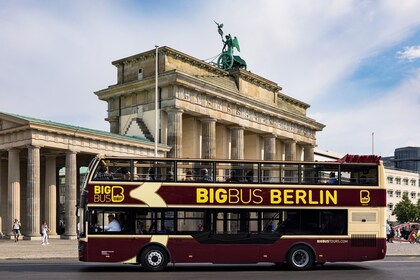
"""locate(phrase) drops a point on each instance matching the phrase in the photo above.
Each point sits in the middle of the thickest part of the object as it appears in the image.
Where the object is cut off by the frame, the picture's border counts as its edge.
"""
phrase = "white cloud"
(410, 53)
(393, 119)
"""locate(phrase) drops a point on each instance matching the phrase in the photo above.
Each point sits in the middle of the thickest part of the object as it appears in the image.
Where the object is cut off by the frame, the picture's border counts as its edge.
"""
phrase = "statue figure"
(230, 44)
(227, 60)
(219, 29)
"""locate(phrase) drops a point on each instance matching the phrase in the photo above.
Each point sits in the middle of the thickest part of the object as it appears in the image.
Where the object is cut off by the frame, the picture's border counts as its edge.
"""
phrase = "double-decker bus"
(155, 211)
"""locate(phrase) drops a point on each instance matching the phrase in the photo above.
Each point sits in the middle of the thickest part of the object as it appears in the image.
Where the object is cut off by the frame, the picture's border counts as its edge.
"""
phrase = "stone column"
(13, 189)
(175, 132)
(50, 206)
(290, 155)
(2, 204)
(308, 153)
(269, 147)
(33, 197)
(237, 142)
(290, 150)
(208, 138)
(71, 193)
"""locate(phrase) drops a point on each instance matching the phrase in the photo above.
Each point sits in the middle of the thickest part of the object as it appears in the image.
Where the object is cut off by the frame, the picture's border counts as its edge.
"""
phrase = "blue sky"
(357, 63)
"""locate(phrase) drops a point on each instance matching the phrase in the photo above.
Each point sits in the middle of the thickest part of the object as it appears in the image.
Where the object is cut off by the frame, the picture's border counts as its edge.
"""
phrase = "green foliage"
(406, 211)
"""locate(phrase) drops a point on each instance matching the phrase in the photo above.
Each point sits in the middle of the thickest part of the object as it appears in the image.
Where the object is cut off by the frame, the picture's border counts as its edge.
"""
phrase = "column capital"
(289, 141)
(269, 135)
(236, 127)
(308, 145)
(208, 119)
(174, 110)
(33, 146)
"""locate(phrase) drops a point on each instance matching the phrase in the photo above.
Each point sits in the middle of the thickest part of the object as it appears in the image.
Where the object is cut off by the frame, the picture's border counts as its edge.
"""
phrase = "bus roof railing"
(372, 159)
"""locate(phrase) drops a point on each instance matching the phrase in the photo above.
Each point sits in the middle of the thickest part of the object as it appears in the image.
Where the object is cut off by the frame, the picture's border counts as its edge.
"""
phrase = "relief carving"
(246, 113)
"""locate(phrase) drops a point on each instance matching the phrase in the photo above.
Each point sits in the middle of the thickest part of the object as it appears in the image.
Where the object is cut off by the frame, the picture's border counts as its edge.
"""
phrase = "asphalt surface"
(67, 249)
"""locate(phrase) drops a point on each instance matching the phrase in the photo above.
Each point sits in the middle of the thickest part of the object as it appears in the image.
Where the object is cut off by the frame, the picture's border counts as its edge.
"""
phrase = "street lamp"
(156, 99)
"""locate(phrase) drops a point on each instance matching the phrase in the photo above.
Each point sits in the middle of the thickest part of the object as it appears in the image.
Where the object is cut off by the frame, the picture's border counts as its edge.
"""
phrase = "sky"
(356, 63)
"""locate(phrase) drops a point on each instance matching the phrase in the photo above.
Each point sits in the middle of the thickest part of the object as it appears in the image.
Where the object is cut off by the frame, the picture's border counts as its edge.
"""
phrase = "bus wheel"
(154, 258)
(300, 258)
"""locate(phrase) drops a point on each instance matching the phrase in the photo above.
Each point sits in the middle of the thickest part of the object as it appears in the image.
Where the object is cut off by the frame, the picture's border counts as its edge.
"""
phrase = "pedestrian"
(16, 229)
(44, 232)
(388, 232)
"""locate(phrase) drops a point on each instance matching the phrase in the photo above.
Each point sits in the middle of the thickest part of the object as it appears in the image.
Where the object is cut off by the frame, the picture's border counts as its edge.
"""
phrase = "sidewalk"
(403, 249)
(61, 249)
(31, 249)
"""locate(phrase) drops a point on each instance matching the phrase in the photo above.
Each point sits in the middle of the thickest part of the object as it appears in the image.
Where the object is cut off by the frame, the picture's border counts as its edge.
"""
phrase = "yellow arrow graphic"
(147, 193)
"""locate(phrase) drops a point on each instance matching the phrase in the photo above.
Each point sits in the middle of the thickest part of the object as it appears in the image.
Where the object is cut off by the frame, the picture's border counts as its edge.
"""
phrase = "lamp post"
(156, 100)
(373, 143)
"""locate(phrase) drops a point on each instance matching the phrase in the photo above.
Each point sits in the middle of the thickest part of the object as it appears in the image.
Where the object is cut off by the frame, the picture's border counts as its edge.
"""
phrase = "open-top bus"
(232, 211)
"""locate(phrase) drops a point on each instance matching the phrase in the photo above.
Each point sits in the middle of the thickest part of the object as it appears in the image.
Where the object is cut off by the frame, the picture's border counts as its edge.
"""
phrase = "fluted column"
(50, 206)
(290, 150)
(71, 192)
(308, 153)
(308, 156)
(237, 142)
(208, 138)
(13, 188)
(33, 191)
(175, 132)
(269, 147)
(2, 199)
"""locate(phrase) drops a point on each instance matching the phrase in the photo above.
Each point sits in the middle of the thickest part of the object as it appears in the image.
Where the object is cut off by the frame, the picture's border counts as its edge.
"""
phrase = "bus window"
(204, 172)
(187, 171)
(270, 221)
(314, 222)
(320, 174)
(102, 172)
(190, 221)
(365, 175)
(113, 169)
(154, 222)
(291, 173)
(234, 172)
(120, 169)
(151, 170)
(109, 221)
(271, 173)
(195, 171)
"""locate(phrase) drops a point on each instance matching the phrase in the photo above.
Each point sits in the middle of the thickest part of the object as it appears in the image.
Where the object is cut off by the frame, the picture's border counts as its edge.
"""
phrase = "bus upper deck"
(351, 170)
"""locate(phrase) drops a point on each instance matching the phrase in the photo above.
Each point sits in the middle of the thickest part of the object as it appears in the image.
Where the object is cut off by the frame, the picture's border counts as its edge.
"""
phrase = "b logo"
(117, 194)
(364, 196)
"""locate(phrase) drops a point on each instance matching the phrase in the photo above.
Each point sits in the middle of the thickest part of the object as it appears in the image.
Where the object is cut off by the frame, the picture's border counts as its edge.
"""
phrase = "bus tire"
(300, 257)
(154, 258)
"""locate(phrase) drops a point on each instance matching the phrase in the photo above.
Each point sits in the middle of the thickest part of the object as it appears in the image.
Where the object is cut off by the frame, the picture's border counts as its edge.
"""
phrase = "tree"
(405, 210)
(418, 210)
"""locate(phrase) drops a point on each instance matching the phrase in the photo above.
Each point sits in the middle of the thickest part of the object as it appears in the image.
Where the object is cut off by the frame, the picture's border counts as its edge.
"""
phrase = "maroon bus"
(155, 211)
